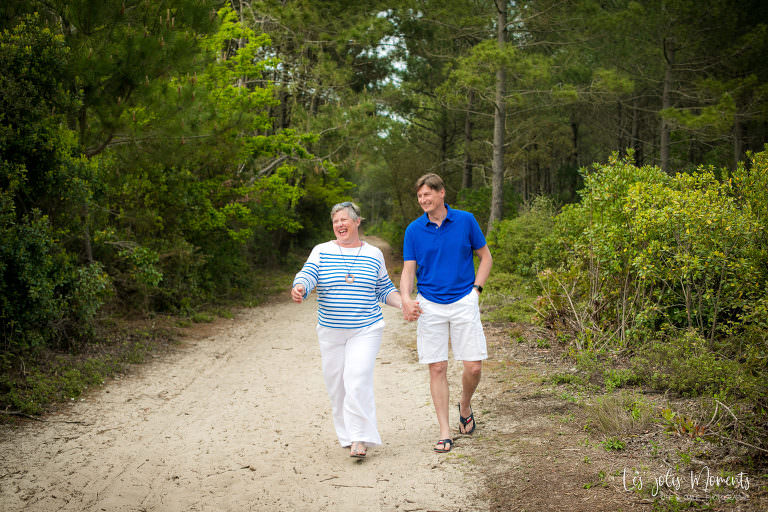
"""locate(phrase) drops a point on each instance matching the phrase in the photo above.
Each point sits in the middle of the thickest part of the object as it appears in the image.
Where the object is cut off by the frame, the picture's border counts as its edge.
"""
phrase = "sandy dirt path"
(238, 420)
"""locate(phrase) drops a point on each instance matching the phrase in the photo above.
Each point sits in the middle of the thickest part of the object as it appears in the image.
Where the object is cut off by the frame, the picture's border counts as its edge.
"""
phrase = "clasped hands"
(411, 310)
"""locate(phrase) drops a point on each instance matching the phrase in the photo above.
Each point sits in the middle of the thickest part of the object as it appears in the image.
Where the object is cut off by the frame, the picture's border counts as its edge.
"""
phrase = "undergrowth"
(34, 382)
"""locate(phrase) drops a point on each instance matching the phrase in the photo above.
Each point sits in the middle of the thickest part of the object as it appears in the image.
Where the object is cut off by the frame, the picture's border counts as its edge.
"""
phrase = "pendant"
(349, 279)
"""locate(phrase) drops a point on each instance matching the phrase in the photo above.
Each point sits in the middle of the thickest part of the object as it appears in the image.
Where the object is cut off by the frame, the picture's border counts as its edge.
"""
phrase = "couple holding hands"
(351, 279)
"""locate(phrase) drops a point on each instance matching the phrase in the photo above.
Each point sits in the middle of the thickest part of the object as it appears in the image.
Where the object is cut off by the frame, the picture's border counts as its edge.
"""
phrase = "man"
(437, 250)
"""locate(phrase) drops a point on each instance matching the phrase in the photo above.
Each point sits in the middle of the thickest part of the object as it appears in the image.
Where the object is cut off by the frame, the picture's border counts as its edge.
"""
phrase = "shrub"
(513, 242)
(478, 201)
(31, 277)
(673, 270)
(686, 363)
(644, 249)
(694, 260)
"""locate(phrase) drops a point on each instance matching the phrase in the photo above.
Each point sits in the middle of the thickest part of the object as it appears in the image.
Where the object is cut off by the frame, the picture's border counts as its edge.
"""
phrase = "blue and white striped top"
(345, 305)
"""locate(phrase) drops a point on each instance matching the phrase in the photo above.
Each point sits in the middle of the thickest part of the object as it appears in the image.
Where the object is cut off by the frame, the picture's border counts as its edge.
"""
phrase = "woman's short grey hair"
(352, 209)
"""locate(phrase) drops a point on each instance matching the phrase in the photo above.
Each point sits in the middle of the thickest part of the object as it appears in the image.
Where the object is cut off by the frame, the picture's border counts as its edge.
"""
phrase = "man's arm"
(484, 267)
(410, 307)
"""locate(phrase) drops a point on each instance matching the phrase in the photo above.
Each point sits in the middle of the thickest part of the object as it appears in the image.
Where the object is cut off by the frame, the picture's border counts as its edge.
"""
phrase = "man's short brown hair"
(431, 180)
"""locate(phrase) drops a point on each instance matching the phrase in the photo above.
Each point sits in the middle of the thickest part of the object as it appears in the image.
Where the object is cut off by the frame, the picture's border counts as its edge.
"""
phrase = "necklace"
(349, 278)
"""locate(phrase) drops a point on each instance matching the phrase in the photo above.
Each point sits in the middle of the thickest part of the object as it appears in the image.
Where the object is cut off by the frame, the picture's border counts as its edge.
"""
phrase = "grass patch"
(31, 384)
(509, 298)
(202, 318)
(620, 413)
(559, 379)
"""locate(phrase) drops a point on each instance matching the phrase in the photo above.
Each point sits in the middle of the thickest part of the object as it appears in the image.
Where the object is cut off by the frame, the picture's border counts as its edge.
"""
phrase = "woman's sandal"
(463, 421)
(358, 450)
(444, 445)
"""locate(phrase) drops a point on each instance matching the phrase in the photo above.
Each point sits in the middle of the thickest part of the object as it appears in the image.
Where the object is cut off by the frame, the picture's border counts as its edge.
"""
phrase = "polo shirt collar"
(448, 216)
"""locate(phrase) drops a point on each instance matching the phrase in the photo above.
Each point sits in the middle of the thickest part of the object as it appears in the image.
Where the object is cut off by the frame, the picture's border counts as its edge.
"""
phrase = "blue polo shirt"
(445, 271)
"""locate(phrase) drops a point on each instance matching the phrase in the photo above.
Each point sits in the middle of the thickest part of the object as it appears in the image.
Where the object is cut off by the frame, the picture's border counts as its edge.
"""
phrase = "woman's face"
(344, 227)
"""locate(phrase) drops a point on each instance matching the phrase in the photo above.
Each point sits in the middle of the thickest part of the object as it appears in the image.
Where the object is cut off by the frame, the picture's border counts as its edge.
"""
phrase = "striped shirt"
(344, 305)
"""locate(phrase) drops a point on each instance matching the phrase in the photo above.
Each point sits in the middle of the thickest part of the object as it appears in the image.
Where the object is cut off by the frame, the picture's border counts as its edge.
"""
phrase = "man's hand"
(297, 293)
(411, 310)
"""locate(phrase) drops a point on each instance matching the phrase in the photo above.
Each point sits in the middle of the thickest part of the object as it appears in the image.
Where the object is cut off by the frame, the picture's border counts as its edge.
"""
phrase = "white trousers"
(348, 357)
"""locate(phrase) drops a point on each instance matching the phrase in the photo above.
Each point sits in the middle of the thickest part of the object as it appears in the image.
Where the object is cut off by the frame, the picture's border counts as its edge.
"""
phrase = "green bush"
(685, 363)
(32, 272)
(644, 249)
(695, 263)
(478, 201)
(672, 271)
(508, 298)
(514, 242)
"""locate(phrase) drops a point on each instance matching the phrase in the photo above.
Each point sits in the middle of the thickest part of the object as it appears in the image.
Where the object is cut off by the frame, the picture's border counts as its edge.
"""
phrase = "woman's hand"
(411, 310)
(297, 293)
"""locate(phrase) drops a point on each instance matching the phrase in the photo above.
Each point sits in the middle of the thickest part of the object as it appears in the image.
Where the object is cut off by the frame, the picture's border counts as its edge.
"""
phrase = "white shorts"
(460, 321)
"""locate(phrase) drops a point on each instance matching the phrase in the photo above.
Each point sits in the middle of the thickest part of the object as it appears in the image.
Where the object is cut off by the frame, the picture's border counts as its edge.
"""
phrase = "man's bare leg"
(438, 386)
(470, 378)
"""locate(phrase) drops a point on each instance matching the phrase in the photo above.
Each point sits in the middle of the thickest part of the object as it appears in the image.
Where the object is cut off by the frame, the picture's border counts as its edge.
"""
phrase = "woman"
(351, 279)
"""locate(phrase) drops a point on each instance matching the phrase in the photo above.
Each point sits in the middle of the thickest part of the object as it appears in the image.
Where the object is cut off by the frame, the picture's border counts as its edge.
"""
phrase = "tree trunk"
(443, 150)
(738, 141)
(669, 56)
(87, 247)
(575, 140)
(499, 119)
(466, 179)
(636, 145)
(283, 113)
(620, 142)
(82, 123)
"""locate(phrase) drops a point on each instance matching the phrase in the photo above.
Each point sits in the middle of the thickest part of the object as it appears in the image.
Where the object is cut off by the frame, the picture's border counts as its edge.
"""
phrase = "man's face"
(430, 199)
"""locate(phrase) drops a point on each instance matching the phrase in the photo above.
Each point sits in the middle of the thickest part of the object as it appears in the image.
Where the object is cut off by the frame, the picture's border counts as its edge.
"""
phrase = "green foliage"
(197, 215)
(478, 201)
(614, 378)
(613, 444)
(46, 295)
(673, 268)
(508, 297)
(565, 378)
(686, 363)
(514, 242)
(478, 69)
(32, 271)
(118, 50)
(91, 288)
(694, 252)
(643, 249)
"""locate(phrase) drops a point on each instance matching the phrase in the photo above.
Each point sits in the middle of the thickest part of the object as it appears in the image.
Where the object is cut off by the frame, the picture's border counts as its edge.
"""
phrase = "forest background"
(168, 156)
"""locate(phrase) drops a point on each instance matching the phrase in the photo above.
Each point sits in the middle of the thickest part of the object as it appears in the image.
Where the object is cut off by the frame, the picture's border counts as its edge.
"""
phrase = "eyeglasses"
(346, 204)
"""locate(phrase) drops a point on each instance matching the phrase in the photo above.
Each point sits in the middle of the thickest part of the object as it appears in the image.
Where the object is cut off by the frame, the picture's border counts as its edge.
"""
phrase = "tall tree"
(499, 119)
(443, 121)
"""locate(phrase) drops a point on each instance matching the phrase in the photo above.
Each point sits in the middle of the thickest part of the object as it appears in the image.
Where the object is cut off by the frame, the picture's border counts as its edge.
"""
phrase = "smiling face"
(346, 228)
(431, 201)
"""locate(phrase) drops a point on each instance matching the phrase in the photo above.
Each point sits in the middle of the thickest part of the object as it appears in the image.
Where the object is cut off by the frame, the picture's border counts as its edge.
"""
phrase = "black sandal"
(447, 445)
(463, 421)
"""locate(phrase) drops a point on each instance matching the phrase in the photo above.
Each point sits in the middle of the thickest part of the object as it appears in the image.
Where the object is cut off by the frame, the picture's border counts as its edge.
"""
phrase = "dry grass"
(621, 413)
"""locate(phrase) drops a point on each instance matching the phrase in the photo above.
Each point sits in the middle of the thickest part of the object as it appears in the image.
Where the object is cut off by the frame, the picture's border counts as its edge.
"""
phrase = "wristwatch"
(478, 288)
